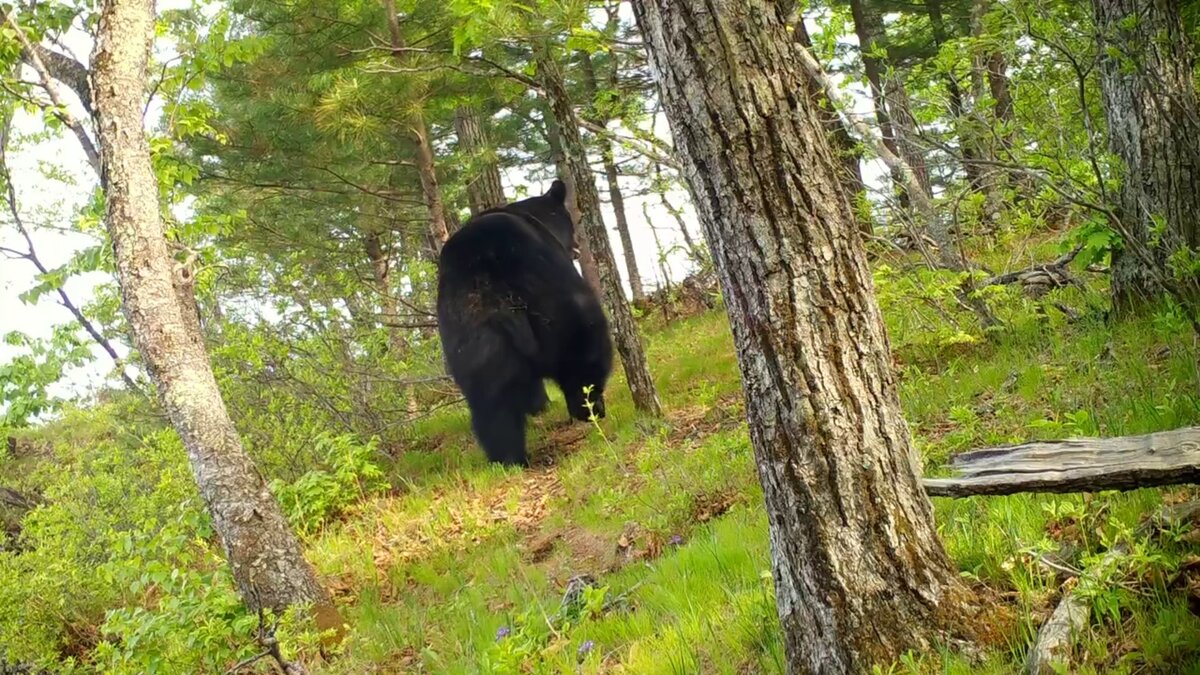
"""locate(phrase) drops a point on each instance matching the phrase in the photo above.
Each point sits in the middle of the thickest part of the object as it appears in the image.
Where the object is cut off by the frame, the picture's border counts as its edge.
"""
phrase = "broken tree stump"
(1075, 465)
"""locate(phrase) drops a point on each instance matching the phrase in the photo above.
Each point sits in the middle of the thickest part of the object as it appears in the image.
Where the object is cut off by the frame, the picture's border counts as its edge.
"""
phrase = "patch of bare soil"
(559, 440)
(694, 422)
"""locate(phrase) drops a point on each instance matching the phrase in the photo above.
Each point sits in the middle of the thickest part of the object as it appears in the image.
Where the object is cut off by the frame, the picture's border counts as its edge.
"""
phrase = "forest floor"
(462, 567)
(447, 564)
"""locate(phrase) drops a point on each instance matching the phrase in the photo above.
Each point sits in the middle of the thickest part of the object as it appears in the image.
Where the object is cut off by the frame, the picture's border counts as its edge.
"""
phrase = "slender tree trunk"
(264, 555)
(618, 202)
(860, 575)
(484, 189)
(612, 176)
(967, 142)
(889, 97)
(988, 180)
(439, 230)
(1147, 79)
(381, 277)
(625, 332)
(904, 123)
(844, 146)
(587, 260)
(997, 80)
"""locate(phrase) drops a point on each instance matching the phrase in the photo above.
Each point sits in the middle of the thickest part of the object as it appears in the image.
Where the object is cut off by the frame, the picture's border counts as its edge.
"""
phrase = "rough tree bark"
(418, 129)
(587, 260)
(264, 555)
(612, 176)
(625, 332)
(1149, 91)
(860, 574)
(484, 189)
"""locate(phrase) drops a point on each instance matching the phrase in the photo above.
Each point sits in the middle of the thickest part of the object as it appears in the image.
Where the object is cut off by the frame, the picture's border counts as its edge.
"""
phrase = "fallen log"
(1037, 280)
(1075, 465)
(14, 504)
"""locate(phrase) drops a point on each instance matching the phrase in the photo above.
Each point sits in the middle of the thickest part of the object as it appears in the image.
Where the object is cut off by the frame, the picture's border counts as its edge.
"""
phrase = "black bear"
(512, 312)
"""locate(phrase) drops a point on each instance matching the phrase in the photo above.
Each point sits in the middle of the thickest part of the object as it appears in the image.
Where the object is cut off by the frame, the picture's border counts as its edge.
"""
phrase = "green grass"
(668, 516)
(460, 566)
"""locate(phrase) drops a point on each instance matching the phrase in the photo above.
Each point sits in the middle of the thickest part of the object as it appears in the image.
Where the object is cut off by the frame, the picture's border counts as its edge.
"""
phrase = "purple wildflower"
(676, 540)
(586, 648)
(502, 632)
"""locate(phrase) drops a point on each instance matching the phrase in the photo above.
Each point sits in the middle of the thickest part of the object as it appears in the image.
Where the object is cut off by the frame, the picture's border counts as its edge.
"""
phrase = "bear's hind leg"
(538, 401)
(500, 429)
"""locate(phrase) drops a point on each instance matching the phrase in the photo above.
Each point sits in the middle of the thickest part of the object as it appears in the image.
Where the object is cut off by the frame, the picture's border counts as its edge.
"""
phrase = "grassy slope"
(668, 517)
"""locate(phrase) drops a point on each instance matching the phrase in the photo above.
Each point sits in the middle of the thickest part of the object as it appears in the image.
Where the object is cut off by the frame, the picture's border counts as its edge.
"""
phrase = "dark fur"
(513, 311)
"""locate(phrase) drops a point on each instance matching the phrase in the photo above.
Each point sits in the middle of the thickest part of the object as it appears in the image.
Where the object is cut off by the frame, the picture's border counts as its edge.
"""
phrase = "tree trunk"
(889, 97)
(612, 176)
(418, 129)
(987, 179)
(484, 189)
(381, 277)
(845, 148)
(904, 124)
(264, 555)
(1147, 81)
(968, 143)
(860, 574)
(439, 230)
(587, 260)
(625, 332)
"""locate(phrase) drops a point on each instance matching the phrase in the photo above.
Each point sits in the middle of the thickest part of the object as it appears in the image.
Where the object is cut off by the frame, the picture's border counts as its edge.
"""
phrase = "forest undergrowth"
(631, 545)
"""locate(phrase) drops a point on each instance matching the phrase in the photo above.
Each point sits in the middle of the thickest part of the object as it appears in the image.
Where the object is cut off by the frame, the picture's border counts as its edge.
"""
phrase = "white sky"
(52, 204)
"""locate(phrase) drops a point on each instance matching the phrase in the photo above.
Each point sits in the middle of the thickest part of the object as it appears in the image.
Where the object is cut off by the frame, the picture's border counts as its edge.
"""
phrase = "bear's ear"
(558, 191)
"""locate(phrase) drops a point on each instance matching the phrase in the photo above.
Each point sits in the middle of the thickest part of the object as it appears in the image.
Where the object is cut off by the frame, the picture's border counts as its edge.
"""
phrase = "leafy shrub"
(119, 570)
(347, 474)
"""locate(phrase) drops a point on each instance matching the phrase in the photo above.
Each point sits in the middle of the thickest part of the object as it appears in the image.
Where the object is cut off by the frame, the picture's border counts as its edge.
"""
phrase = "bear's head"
(550, 211)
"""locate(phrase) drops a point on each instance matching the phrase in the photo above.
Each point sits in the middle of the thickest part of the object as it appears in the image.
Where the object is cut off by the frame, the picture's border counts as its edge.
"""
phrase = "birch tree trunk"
(612, 176)
(625, 332)
(264, 555)
(860, 574)
(484, 189)
(1147, 81)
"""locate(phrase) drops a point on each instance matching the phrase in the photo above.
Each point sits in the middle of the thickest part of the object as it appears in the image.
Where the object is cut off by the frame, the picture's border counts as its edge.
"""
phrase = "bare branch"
(48, 81)
(32, 257)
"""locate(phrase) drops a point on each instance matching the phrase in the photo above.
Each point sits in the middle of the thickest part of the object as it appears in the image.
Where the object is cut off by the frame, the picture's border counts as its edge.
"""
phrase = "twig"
(1053, 644)
(32, 257)
(247, 662)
